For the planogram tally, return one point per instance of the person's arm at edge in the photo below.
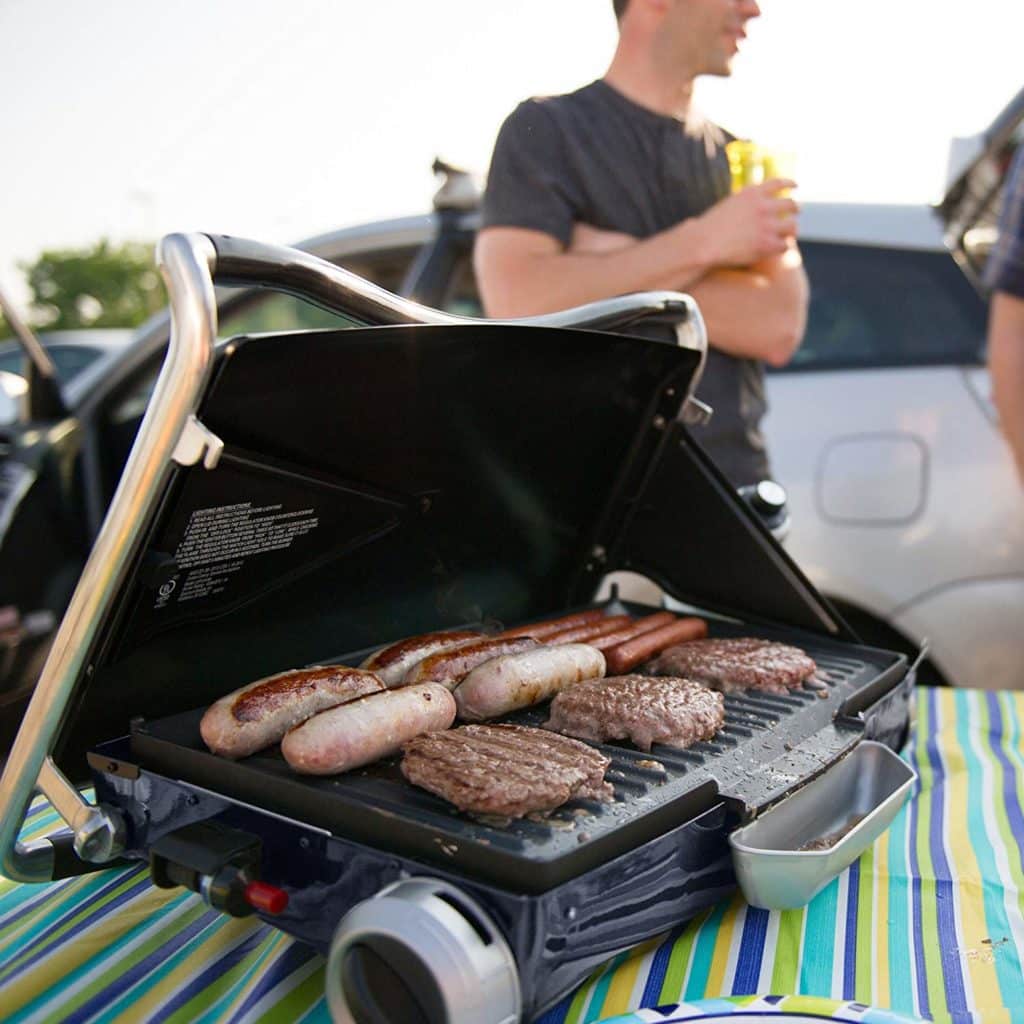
(1006, 366)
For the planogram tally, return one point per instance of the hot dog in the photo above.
(627, 655)
(587, 632)
(519, 680)
(392, 662)
(638, 626)
(261, 713)
(448, 667)
(539, 630)
(368, 729)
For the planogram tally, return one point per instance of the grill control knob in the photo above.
(421, 952)
(768, 500)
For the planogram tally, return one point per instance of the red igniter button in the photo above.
(268, 898)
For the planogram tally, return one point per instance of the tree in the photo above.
(101, 286)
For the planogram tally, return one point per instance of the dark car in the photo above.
(71, 352)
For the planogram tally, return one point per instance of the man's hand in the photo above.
(751, 225)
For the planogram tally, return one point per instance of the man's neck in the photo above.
(644, 84)
(646, 73)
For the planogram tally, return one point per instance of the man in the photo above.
(1005, 275)
(621, 186)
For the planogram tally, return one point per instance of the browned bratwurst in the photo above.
(392, 662)
(540, 630)
(449, 667)
(586, 633)
(259, 714)
(368, 729)
(625, 656)
(519, 680)
(638, 626)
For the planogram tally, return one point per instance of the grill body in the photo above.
(567, 891)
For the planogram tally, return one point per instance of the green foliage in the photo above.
(5, 331)
(102, 286)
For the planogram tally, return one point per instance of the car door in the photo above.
(904, 504)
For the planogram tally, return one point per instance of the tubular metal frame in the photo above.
(171, 435)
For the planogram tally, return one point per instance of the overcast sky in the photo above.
(132, 118)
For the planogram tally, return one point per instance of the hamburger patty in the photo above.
(643, 709)
(505, 769)
(744, 663)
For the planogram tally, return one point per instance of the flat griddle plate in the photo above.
(769, 745)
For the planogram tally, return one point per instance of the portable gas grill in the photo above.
(304, 498)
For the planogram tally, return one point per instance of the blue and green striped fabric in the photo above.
(928, 922)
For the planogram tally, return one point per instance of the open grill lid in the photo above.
(380, 482)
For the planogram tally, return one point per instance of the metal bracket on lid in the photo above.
(695, 412)
(197, 442)
(99, 830)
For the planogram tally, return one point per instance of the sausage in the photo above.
(392, 662)
(368, 729)
(579, 634)
(260, 713)
(519, 680)
(629, 654)
(638, 626)
(539, 630)
(448, 667)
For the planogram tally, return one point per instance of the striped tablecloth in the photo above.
(929, 922)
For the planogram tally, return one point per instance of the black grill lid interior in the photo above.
(379, 482)
(375, 482)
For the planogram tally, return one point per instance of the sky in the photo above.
(129, 119)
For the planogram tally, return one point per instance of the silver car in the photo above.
(905, 508)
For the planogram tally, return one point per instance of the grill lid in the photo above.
(383, 481)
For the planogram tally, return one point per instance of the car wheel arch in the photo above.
(876, 631)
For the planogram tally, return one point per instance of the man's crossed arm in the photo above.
(738, 260)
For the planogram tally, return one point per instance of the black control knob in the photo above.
(768, 499)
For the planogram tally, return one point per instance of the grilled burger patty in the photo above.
(643, 709)
(743, 663)
(505, 769)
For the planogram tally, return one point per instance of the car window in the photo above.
(12, 362)
(275, 312)
(272, 311)
(462, 297)
(873, 306)
(68, 359)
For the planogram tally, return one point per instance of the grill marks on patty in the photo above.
(743, 663)
(642, 709)
(509, 770)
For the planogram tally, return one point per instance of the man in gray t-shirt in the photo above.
(621, 186)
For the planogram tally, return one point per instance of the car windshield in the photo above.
(71, 352)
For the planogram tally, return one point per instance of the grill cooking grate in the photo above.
(769, 744)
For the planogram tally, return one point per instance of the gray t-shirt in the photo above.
(597, 157)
